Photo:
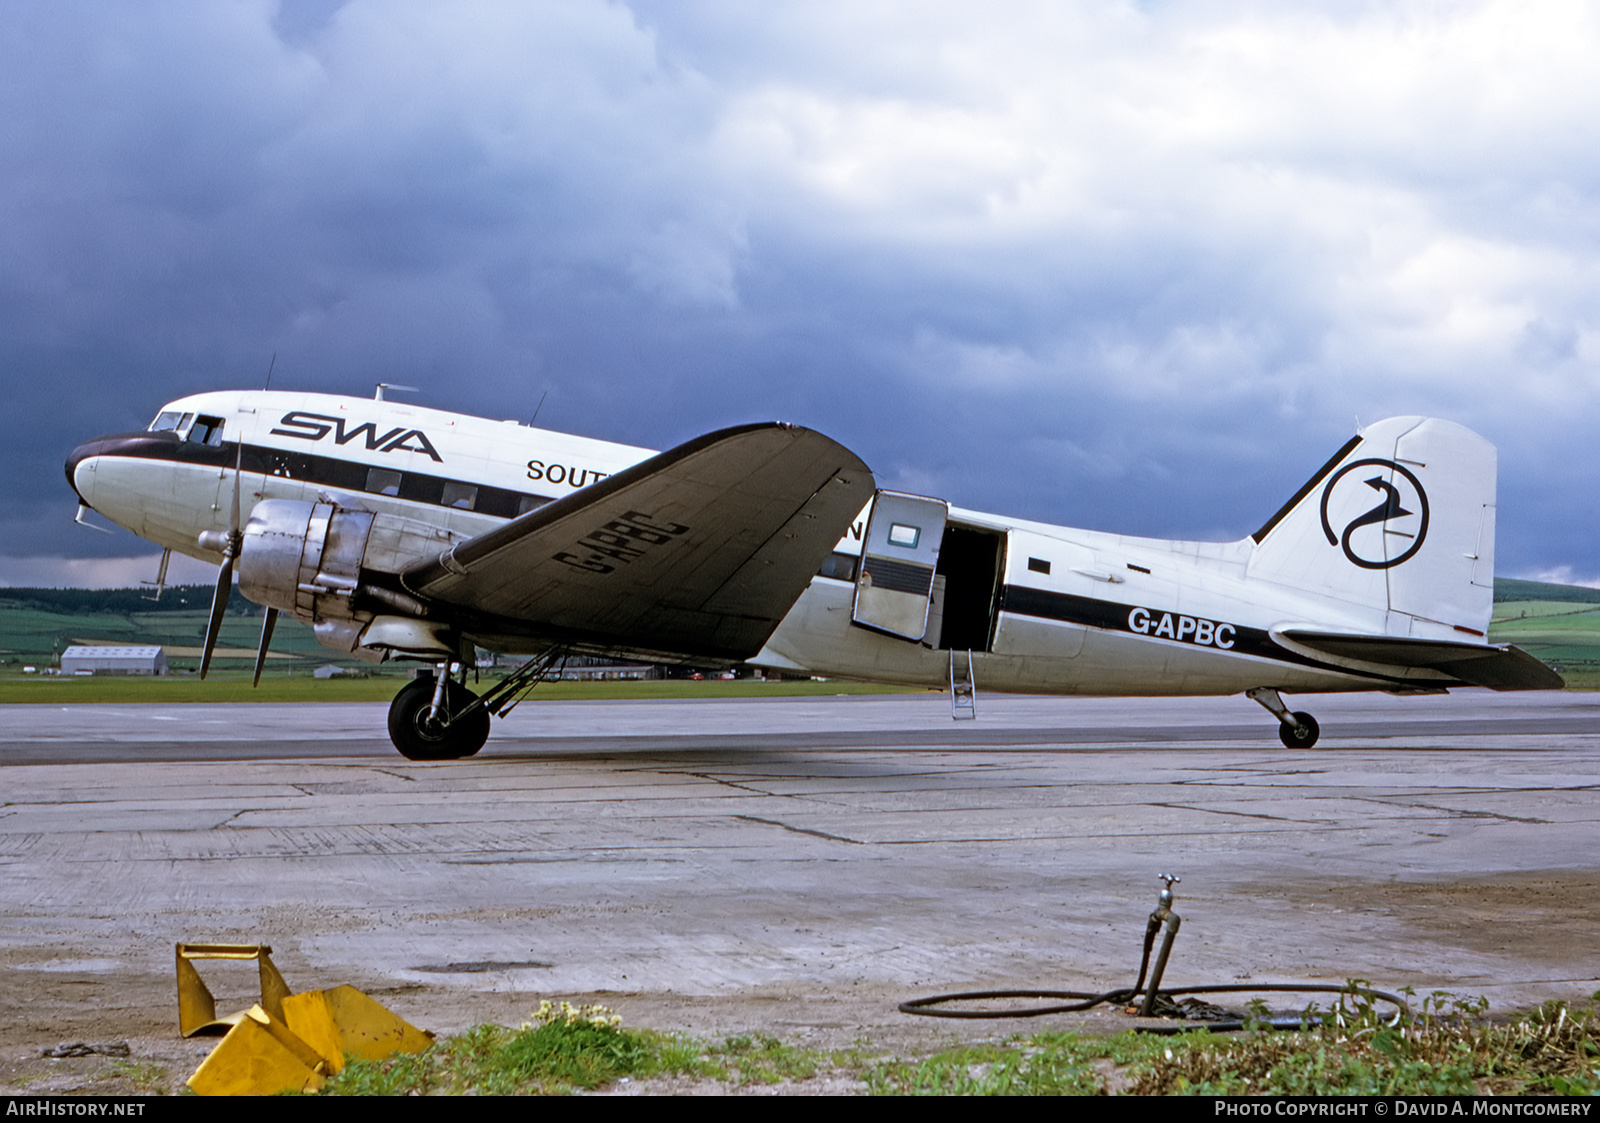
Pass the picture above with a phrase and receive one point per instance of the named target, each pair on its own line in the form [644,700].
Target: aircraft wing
[699,551]
[1496,666]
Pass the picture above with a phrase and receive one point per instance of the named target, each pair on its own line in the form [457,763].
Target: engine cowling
[317,561]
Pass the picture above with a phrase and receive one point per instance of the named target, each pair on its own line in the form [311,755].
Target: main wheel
[1303,736]
[420,738]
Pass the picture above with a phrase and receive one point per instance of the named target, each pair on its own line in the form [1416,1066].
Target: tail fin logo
[1386,534]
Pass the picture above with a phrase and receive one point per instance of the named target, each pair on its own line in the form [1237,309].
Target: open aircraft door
[898,558]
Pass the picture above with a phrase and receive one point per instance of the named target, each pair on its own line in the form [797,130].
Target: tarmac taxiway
[796,866]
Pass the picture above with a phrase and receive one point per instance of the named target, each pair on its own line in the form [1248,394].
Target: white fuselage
[1057,610]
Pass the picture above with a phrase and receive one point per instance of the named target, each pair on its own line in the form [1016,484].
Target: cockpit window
[166,421]
[206,430]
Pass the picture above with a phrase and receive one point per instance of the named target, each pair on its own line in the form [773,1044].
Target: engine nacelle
[312,560]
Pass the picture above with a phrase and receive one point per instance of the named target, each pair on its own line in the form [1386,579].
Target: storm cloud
[1138,267]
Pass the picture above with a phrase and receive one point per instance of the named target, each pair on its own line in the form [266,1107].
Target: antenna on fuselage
[537,408]
[82,519]
[377,395]
[270,365]
[160,582]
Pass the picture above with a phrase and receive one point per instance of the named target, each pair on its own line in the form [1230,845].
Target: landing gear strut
[1296,730]
[438,718]
[435,719]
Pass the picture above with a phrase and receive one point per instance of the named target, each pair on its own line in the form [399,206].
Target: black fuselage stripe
[320,471]
[1112,616]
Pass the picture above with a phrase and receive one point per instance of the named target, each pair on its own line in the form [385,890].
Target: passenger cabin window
[382,481]
[459,495]
[840,567]
[530,503]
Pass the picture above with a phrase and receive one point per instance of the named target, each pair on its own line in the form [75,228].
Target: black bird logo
[1389,508]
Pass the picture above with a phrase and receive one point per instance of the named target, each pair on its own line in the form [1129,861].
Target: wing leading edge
[696,552]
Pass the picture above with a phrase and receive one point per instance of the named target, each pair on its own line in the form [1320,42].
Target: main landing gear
[1296,730]
[437,718]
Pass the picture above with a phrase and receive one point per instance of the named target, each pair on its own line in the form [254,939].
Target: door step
[963,690]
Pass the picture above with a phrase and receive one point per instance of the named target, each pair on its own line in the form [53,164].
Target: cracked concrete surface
[795,867]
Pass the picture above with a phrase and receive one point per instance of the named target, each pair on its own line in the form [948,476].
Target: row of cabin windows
[453,493]
[202,429]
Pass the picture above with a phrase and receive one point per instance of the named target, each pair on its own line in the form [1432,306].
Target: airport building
[114,661]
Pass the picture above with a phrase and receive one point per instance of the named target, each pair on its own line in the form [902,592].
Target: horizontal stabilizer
[1496,666]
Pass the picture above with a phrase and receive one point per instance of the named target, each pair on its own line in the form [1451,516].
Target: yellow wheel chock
[342,1024]
[288,1042]
[197,1010]
[259,1057]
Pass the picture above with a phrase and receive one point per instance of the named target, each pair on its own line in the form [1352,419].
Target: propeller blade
[219,605]
[268,621]
[219,601]
[233,516]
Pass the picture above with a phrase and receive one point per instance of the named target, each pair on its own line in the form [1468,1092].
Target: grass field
[1559,624]
[34,631]
[235,687]
[1446,1047]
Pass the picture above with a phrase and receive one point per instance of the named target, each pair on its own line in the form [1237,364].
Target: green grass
[1564,634]
[1558,624]
[566,1050]
[145,1077]
[36,625]
[235,687]
[1448,1048]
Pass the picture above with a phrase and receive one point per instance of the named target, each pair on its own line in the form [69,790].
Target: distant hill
[175,598]
[36,624]
[1510,588]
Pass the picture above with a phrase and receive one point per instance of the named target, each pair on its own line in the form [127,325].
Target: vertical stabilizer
[1400,520]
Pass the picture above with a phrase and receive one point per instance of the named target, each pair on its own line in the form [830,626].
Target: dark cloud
[1139,269]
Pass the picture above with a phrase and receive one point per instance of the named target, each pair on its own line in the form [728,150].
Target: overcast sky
[1137,267]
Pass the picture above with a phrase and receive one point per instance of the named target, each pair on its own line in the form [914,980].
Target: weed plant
[566,1049]
[1447,1047]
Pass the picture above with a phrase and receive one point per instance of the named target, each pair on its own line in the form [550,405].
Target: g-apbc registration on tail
[400,532]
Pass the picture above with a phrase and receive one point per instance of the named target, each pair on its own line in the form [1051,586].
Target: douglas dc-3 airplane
[401,532]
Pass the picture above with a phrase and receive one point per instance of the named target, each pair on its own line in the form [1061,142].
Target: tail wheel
[1303,735]
[420,737]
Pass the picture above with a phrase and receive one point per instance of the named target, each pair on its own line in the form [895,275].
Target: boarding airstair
[963,690]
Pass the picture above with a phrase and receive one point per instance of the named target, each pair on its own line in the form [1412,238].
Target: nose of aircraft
[85,451]
[77,456]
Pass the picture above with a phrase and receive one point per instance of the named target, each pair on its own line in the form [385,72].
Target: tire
[419,739]
[1302,737]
